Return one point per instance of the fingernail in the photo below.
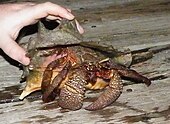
(69, 16)
(25, 61)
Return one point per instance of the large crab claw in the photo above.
(111, 93)
(72, 93)
(71, 86)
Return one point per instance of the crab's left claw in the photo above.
(72, 93)
(112, 92)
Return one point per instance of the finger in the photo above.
(49, 8)
(42, 10)
(13, 50)
(50, 17)
(28, 3)
(68, 10)
(23, 4)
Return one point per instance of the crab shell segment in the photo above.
(64, 34)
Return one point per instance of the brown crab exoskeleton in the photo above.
(70, 84)
(67, 71)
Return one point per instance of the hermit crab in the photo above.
(67, 70)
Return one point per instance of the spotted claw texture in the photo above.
(111, 93)
(72, 94)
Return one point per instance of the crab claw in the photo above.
(112, 92)
(72, 93)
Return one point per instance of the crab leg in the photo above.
(111, 93)
(129, 73)
(48, 88)
(72, 94)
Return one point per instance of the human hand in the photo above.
(13, 17)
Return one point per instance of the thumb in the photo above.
(13, 50)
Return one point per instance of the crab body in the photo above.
(67, 71)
